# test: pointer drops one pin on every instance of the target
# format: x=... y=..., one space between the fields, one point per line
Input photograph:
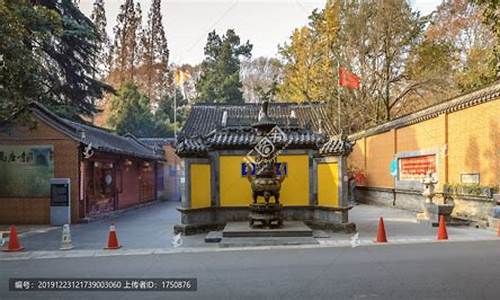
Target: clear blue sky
x=265 y=23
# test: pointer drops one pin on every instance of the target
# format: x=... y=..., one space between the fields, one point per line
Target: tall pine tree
x=220 y=70
x=48 y=50
x=126 y=32
x=155 y=54
x=103 y=44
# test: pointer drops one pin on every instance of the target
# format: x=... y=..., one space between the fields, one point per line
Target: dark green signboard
x=25 y=170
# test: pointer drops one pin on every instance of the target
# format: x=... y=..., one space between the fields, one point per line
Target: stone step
x=289 y=229
x=213 y=237
x=265 y=241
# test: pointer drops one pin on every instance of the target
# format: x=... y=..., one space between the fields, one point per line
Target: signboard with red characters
x=415 y=168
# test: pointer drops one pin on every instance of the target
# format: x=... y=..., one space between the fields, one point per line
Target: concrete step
x=265 y=241
x=213 y=237
x=289 y=229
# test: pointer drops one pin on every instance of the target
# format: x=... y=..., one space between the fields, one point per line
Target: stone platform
x=289 y=229
x=266 y=241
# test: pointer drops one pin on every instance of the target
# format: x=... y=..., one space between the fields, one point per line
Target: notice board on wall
x=416 y=167
x=26 y=170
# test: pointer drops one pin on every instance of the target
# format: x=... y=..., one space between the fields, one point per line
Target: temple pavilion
x=217 y=140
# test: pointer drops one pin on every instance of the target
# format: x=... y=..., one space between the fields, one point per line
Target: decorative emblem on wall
x=88 y=152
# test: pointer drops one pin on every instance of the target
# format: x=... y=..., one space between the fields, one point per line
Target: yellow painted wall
x=235 y=189
x=473 y=146
x=295 y=189
x=328 y=183
x=379 y=153
x=357 y=157
x=200 y=185
x=427 y=135
x=474 y=143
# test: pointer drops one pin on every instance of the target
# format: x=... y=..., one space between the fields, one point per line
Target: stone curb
x=27 y=255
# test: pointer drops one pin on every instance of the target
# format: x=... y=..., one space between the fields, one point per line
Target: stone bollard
x=66 y=238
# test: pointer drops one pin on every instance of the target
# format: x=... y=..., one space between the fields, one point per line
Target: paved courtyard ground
x=151 y=229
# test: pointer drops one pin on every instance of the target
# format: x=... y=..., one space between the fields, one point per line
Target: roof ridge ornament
x=224 y=118
x=88 y=152
x=263 y=112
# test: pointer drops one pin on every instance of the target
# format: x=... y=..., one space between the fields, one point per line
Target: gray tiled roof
x=99 y=138
x=205 y=129
x=480 y=96
x=337 y=147
x=192 y=146
x=204 y=117
x=158 y=141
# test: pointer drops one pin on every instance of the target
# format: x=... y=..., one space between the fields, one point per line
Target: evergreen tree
x=155 y=53
x=132 y=114
x=103 y=45
x=47 y=52
x=165 y=109
x=220 y=70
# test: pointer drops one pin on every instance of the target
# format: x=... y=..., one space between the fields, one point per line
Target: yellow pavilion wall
x=235 y=189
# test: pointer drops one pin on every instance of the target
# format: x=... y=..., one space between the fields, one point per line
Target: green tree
x=131 y=113
x=47 y=54
x=220 y=70
x=165 y=109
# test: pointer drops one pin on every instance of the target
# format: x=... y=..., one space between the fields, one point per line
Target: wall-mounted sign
x=469 y=178
x=281 y=169
x=415 y=168
x=394 y=167
x=25 y=170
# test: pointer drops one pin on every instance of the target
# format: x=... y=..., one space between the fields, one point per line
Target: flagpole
x=338 y=97
x=175 y=105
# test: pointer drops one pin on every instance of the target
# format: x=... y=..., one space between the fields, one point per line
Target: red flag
x=348 y=79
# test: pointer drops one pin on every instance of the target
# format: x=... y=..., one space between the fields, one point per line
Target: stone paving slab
x=289 y=229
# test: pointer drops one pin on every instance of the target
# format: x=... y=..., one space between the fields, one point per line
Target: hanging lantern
x=127 y=163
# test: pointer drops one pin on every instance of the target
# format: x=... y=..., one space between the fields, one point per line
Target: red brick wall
x=36 y=210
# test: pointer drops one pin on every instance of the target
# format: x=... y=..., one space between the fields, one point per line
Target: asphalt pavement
x=146 y=227
x=151 y=227
x=447 y=270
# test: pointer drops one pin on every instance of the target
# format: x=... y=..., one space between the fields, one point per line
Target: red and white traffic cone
x=112 y=239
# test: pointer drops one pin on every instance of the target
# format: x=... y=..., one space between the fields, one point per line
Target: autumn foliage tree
x=155 y=54
x=405 y=60
x=103 y=57
x=126 y=42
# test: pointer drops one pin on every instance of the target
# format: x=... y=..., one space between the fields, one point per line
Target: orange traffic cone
x=14 y=244
x=498 y=232
x=442 y=234
x=112 y=239
x=381 y=236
